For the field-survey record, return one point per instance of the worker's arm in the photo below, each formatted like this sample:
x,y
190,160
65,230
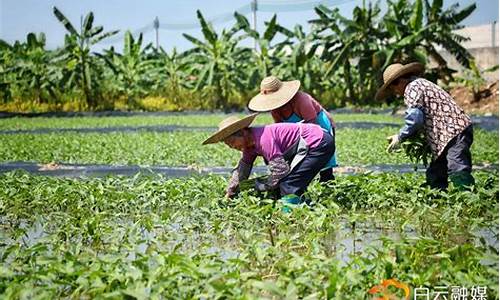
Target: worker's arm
x,y
241,172
279,169
414,121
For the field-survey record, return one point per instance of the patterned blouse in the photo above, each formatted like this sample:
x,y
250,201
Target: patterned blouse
x,y
444,119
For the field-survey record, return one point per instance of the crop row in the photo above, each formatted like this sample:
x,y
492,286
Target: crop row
x,y
354,147
211,120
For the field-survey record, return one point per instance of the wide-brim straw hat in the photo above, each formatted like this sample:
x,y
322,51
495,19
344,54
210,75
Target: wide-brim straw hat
x,y
229,126
395,71
274,93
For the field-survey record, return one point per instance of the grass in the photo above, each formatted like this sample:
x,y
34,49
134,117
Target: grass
x,y
164,238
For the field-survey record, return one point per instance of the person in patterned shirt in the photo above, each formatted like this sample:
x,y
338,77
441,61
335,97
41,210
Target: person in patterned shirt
x,y
447,129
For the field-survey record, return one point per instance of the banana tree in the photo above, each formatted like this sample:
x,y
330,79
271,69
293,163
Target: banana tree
x,y
443,24
82,70
349,47
405,31
269,55
133,69
6,62
28,71
171,75
303,61
415,30
218,63
36,69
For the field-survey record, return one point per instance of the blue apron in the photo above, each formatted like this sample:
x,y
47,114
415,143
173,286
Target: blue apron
x,y
325,124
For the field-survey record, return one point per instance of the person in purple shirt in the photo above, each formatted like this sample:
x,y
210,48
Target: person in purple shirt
x,y
294,153
290,105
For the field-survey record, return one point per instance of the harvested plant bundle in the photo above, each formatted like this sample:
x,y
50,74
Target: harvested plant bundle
x,y
249,184
417,149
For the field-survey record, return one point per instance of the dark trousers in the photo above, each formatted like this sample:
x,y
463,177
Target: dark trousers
x,y
327,174
297,181
455,161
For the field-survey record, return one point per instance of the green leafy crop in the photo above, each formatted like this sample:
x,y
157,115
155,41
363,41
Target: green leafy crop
x,y
161,238
417,150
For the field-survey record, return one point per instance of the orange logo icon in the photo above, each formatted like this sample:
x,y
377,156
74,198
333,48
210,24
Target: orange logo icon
x,y
386,293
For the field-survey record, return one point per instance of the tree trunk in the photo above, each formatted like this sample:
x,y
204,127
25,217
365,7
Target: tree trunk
x,y
347,78
219,103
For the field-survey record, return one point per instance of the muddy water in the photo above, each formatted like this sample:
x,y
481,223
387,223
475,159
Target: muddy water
x,y
346,241
88,170
354,239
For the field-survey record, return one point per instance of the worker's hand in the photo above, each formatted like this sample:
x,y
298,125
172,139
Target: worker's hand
x,y
260,186
393,143
230,193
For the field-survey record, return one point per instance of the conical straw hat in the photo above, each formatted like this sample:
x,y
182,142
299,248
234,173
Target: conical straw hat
x,y
274,93
229,126
395,71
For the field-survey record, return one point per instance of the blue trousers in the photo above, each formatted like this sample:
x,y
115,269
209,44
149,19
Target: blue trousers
x,y
299,178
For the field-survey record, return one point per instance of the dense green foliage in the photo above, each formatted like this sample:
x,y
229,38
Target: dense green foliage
x,y
157,238
354,147
339,61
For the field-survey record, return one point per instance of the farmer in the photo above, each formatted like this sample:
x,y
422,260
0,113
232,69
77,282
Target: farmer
x,y
288,104
447,129
295,153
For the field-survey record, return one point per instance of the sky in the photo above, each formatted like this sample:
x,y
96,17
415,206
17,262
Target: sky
x,y
19,17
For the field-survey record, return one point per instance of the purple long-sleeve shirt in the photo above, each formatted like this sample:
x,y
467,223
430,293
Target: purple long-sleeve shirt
x,y
271,142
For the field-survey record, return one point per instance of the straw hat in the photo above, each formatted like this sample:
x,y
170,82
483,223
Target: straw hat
x,y
229,126
274,93
395,71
